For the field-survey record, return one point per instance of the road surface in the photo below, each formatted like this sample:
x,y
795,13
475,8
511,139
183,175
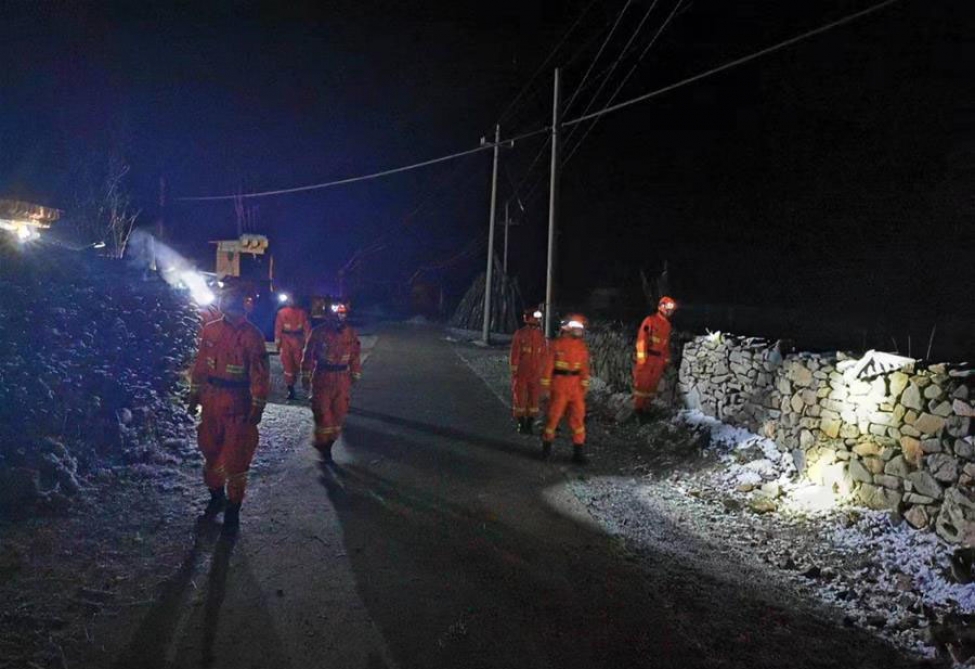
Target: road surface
x,y
438,539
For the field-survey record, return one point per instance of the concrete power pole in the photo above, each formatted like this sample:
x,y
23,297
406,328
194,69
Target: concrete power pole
x,y
553,200
486,334
507,224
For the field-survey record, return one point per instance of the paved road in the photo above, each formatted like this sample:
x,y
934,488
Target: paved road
x,y
437,539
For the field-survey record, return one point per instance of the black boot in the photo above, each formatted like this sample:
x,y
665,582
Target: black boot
x,y
218,500
231,520
578,456
546,450
291,393
527,426
324,448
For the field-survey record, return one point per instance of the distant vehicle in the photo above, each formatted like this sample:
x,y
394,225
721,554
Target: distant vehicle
x,y
25,220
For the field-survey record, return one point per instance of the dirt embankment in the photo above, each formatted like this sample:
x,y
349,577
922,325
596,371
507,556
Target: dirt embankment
x,y
91,372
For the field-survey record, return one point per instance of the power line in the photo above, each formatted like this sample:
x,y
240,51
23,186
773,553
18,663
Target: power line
x,y
609,75
626,78
365,177
541,68
599,53
734,63
585,117
605,80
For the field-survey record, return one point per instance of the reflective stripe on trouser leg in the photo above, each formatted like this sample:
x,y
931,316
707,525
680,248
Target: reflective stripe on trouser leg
x,y
330,404
325,433
646,378
290,359
526,393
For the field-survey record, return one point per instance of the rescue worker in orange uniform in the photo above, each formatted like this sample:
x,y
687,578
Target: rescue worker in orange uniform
x,y
652,354
330,366
231,380
566,377
291,331
526,358
208,314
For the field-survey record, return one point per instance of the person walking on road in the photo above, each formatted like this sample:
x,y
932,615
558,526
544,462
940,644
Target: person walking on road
x,y
526,358
231,380
330,366
291,332
566,377
652,355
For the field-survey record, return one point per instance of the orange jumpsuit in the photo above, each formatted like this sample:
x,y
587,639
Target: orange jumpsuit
x,y
332,361
566,375
527,358
291,331
208,314
652,356
232,375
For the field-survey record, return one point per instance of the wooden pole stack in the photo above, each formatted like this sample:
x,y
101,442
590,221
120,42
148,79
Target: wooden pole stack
x,y
506,304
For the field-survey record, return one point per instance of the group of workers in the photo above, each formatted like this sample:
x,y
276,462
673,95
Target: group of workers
x,y
560,370
230,380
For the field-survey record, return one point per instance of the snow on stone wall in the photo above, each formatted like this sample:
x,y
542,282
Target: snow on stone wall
x,y
899,439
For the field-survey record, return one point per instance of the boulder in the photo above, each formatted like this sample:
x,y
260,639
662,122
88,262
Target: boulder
x,y
912,450
943,467
930,424
918,517
858,472
898,382
898,467
925,484
956,521
879,498
911,398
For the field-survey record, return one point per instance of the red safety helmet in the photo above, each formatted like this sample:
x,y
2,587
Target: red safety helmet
x,y
234,291
575,324
667,306
340,310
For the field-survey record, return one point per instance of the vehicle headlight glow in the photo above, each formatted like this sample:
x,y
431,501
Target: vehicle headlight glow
x,y
198,288
283,297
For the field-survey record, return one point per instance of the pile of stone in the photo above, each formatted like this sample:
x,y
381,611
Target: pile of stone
x,y
898,437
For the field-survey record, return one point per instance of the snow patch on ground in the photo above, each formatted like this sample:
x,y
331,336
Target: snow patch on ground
x,y
922,556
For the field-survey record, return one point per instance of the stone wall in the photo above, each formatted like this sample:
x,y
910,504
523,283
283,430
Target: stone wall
x,y
898,439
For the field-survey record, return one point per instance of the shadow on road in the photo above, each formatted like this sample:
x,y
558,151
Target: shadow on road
x,y
546,591
172,634
530,449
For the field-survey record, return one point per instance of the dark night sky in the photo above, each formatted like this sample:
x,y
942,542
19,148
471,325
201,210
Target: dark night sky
x,y
837,172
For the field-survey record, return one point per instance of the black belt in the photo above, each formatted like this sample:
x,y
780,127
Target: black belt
x,y
228,383
293,332
566,372
656,354
323,367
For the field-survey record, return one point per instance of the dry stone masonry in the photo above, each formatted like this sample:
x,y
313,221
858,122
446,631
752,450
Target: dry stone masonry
x,y
898,438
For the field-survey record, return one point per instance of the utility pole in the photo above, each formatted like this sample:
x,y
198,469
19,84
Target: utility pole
x,y
507,222
553,198
486,334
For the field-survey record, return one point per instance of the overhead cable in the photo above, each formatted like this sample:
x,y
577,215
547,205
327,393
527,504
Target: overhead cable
x,y
609,37
734,63
541,68
585,117
633,68
487,146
